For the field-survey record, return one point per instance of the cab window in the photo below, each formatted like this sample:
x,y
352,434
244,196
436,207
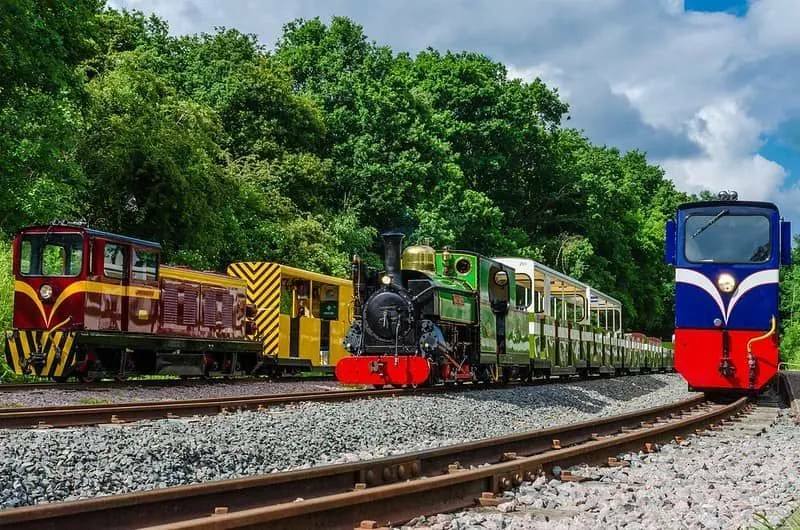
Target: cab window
x,y
51,255
145,265
727,238
114,261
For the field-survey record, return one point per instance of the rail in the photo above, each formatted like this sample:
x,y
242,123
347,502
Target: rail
x,y
392,489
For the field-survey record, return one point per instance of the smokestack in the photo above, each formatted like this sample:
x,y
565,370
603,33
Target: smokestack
x,y
392,245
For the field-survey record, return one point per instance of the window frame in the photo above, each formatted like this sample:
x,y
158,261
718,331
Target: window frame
x,y
686,236
125,261
135,251
28,237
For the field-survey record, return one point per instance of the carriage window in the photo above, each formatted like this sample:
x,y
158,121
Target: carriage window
x,y
51,255
114,261
725,238
145,265
524,291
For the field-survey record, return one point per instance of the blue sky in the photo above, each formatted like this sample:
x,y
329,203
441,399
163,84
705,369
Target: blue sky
x,y
708,88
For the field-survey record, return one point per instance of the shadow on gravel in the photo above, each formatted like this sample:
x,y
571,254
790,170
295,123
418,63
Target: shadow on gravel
x,y
579,395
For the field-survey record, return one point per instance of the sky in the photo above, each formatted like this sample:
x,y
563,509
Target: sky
x,y
708,88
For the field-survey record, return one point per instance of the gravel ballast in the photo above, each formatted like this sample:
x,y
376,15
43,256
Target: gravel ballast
x,y
721,480
60,464
51,397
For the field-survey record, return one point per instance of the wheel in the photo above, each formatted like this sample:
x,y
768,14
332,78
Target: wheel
x,y
377,387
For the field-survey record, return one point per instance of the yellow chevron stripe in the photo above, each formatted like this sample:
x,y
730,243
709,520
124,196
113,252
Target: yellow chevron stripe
x,y
22,344
66,353
11,345
263,291
271,348
23,340
264,285
50,350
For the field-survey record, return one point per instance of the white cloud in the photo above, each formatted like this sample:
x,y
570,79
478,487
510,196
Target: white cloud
x,y
698,91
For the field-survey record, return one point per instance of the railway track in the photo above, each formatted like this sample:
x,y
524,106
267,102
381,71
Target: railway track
x,y
152,383
392,489
118,413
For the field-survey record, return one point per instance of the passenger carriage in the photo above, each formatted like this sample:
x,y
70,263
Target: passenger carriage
x,y
574,328
727,255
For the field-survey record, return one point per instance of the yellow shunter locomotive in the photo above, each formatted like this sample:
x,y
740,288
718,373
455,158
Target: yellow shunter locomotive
x,y
301,316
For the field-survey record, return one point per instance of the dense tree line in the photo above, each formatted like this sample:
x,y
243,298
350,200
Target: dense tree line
x,y
223,150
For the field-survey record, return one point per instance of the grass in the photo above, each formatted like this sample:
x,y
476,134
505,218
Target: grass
x,y
790,523
93,401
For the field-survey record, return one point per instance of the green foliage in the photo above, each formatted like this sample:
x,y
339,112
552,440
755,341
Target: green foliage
x,y
790,310
223,151
6,297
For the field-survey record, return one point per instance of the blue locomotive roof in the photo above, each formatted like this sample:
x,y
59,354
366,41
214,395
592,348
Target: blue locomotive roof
x,y
751,204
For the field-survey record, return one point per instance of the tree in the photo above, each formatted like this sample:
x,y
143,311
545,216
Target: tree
x,y
40,106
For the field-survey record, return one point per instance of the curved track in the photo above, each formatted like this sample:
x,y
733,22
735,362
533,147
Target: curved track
x,y
392,489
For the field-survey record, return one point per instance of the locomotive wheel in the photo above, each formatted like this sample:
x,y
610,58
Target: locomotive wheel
x,y
378,387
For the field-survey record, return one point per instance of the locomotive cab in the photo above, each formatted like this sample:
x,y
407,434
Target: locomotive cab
x,y
70,279
727,256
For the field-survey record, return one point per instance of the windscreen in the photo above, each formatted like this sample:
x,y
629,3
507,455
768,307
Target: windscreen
x,y
51,255
727,238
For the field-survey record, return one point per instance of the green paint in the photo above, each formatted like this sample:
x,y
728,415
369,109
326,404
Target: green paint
x,y
446,269
457,306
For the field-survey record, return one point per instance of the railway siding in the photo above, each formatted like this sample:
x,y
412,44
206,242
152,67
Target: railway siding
x,y
57,464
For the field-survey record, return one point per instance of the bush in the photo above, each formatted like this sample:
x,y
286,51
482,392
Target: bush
x,y
6,299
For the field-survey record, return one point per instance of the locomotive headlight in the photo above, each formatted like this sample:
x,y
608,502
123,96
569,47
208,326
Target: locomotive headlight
x,y
726,282
386,279
46,292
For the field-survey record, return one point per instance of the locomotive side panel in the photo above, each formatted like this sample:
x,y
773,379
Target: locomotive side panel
x,y
201,304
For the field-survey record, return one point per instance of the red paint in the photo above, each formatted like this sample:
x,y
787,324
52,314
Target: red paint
x,y
216,312
383,370
698,353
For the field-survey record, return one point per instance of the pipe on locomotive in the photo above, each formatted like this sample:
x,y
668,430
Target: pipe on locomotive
x,y
392,245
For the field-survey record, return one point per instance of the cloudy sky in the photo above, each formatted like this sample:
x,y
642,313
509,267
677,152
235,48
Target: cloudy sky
x,y
709,88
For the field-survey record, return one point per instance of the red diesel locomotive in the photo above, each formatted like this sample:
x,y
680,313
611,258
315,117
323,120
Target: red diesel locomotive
x,y
90,303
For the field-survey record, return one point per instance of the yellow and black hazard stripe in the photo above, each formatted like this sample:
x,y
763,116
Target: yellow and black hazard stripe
x,y
40,353
264,292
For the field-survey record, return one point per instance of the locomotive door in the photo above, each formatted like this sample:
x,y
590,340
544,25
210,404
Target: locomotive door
x,y
108,300
143,294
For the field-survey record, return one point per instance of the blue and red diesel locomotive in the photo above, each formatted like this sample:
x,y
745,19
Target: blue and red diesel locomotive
x,y
727,255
